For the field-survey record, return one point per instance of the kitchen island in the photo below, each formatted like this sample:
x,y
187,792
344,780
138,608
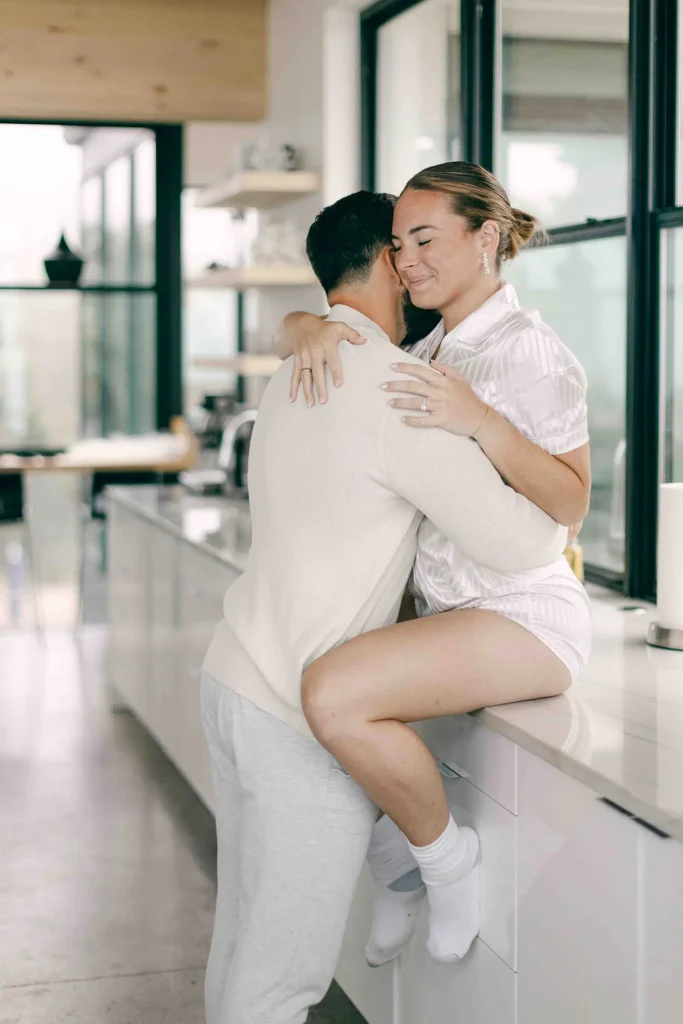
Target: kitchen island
x,y
578,800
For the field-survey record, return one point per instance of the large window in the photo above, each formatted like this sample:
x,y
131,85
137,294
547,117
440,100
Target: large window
x,y
418,92
578,108
82,360
562,151
581,290
39,328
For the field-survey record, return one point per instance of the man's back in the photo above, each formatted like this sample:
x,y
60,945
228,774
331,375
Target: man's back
x,y
332,544
335,492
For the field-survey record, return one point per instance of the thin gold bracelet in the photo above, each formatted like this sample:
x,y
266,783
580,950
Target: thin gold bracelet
x,y
474,434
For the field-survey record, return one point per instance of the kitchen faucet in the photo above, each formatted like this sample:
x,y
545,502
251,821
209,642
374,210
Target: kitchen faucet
x,y
227,456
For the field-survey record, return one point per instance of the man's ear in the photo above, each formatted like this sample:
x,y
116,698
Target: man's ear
x,y
389,256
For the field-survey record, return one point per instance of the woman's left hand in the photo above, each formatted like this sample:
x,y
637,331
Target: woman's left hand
x,y
442,397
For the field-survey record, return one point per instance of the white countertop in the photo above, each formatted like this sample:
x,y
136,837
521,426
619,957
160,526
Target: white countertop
x,y
619,729
219,525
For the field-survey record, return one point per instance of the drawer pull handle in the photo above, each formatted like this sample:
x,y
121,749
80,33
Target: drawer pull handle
x,y
447,771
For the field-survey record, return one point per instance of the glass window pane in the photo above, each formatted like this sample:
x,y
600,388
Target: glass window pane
x,y
144,175
116,365
117,219
35,206
562,152
679,133
672,355
40,382
91,230
143,381
92,341
418,92
580,290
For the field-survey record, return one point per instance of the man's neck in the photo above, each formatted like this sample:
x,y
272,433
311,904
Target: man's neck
x,y
374,310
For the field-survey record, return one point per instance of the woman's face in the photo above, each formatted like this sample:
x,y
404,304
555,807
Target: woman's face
x,y
437,256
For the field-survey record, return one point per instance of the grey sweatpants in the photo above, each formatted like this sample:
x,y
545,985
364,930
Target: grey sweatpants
x,y
293,832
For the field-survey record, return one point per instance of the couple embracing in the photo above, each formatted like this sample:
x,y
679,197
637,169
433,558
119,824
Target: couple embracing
x,y
448,471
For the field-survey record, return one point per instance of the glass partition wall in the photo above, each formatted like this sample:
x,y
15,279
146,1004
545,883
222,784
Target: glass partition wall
x,y
577,109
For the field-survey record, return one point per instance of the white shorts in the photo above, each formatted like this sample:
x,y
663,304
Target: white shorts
x,y
556,610
293,832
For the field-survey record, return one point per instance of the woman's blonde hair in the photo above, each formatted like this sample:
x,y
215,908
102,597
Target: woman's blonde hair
x,y
478,196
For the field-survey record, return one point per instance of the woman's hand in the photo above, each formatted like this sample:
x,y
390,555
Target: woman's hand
x,y
315,345
442,395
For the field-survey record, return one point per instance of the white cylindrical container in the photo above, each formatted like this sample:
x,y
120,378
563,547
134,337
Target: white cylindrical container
x,y
670,557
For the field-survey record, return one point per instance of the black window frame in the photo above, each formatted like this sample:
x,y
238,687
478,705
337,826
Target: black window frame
x,y
168,268
651,209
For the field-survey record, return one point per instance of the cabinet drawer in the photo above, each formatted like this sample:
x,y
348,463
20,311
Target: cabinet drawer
x,y
480,990
497,829
578,916
482,756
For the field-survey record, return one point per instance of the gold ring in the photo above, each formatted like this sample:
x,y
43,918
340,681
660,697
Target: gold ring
x,y
309,368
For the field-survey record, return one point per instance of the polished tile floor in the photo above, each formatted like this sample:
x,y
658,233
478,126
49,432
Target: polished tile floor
x,y
107,879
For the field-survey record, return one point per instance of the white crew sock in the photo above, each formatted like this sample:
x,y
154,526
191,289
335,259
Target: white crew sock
x,y
451,872
398,892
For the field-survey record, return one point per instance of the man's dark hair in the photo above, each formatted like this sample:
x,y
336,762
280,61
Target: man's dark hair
x,y
345,239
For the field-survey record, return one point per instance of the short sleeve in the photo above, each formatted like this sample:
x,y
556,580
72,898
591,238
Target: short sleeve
x,y
543,390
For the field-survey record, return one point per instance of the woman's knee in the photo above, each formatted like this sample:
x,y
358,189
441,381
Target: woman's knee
x,y
322,702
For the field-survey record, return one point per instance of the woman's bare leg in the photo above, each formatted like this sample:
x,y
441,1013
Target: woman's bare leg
x,y
357,697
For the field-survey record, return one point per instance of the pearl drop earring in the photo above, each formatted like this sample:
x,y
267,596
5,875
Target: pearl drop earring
x,y
485,262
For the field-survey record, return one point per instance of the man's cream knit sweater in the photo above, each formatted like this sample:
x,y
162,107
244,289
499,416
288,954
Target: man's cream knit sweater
x,y
337,493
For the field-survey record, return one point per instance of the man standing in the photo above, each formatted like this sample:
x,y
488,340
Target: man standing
x,y
337,494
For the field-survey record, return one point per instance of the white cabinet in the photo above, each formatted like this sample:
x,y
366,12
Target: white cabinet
x,y
166,598
484,757
164,680
578,903
129,577
497,830
202,582
480,990
662,921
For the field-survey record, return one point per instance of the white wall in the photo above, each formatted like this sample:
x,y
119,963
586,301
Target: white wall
x,y
210,149
313,103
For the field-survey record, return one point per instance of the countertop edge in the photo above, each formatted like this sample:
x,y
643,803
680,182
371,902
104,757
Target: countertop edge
x,y
601,785
119,495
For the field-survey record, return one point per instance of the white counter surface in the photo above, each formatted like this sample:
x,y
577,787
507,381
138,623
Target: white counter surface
x,y
619,730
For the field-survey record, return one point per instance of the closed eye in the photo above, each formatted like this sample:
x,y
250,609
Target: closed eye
x,y
426,242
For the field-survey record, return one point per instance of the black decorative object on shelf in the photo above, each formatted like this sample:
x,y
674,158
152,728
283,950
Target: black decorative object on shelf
x,y
63,266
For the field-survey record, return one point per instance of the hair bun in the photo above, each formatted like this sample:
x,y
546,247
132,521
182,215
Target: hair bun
x,y
523,228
